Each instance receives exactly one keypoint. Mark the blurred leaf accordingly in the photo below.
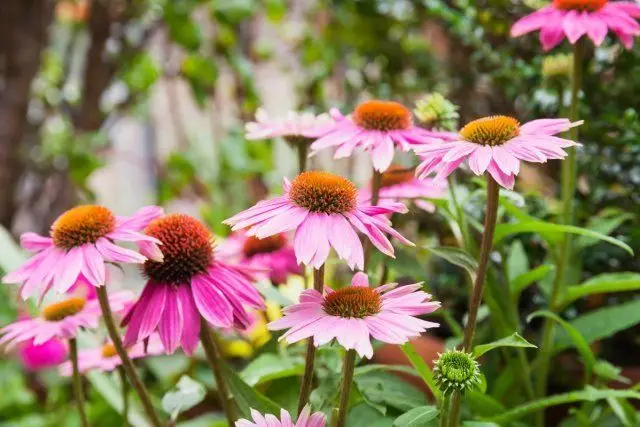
(513, 340)
(112, 393)
(12, 255)
(364, 415)
(182, 28)
(421, 367)
(268, 367)
(417, 417)
(245, 396)
(517, 260)
(604, 224)
(141, 73)
(483, 404)
(458, 257)
(390, 390)
(609, 372)
(521, 282)
(187, 394)
(603, 283)
(623, 410)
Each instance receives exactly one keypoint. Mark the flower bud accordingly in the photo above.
(456, 371)
(436, 111)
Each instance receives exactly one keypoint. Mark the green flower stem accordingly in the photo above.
(376, 183)
(569, 177)
(461, 219)
(345, 390)
(444, 412)
(127, 364)
(211, 349)
(303, 149)
(307, 377)
(77, 382)
(125, 396)
(493, 192)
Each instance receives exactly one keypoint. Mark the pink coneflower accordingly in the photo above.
(325, 213)
(189, 283)
(61, 320)
(293, 128)
(497, 144)
(43, 356)
(576, 18)
(378, 127)
(273, 255)
(306, 419)
(81, 242)
(354, 313)
(105, 358)
(398, 183)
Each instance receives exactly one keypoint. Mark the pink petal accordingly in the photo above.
(531, 22)
(382, 153)
(360, 279)
(190, 320)
(505, 180)
(34, 242)
(574, 25)
(211, 303)
(170, 326)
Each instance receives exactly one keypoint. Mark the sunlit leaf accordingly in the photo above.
(513, 340)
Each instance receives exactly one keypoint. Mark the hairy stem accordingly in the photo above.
(127, 364)
(345, 390)
(310, 358)
(77, 382)
(210, 345)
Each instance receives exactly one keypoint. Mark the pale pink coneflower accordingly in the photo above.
(377, 127)
(61, 320)
(293, 128)
(188, 284)
(355, 313)
(497, 144)
(306, 419)
(273, 255)
(81, 242)
(576, 18)
(325, 213)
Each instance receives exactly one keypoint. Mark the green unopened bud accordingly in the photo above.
(456, 371)
(436, 111)
(559, 65)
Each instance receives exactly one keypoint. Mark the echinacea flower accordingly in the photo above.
(398, 183)
(378, 127)
(62, 320)
(273, 255)
(43, 356)
(356, 313)
(577, 18)
(80, 243)
(497, 144)
(188, 284)
(105, 358)
(306, 419)
(325, 213)
(294, 128)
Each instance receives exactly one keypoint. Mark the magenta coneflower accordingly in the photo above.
(61, 320)
(378, 127)
(576, 18)
(293, 127)
(43, 356)
(274, 255)
(497, 144)
(189, 283)
(82, 240)
(105, 358)
(355, 313)
(306, 419)
(398, 183)
(324, 211)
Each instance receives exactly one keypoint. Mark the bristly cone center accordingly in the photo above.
(581, 5)
(491, 131)
(382, 116)
(82, 225)
(60, 310)
(353, 301)
(323, 192)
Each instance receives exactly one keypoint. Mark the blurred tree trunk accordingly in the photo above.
(23, 34)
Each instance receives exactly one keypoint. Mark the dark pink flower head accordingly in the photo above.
(306, 419)
(497, 144)
(43, 356)
(81, 241)
(356, 313)
(325, 213)
(576, 18)
(272, 255)
(189, 284)
(377, 127)
(61, 320)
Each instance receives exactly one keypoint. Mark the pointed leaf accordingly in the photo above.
(603, 283)
(513, 340)
(521, 282)
(417, 417)
(458, 257)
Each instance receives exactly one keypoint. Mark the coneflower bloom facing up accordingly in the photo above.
(325, 213)
(295, 127)
(80, 243)
(306, 419)
(46, 355)
(378, 127)
(356, 313)
(497, 144)
(576, 18)
(188, 284)
(105, 358)
(62, 320)
(273, 255)
(398, 183)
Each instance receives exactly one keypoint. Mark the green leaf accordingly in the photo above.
(604, 224)
(580, 343)
(479, 424)
(141, 73)
(590, 394)
(12, 255)
(201, 69)
(187, 394)
(269, 367)
(602, 323)
(364, 415)
(113, 395)
(622, 410)
(245, 396)
(603, 283)
(513, 340)
(505, 230)
(609, 372)
(390, 390)
(458, 257)
(483, 404)
(421, 366)
(517, 260)
(522, 281)
(417, 417)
